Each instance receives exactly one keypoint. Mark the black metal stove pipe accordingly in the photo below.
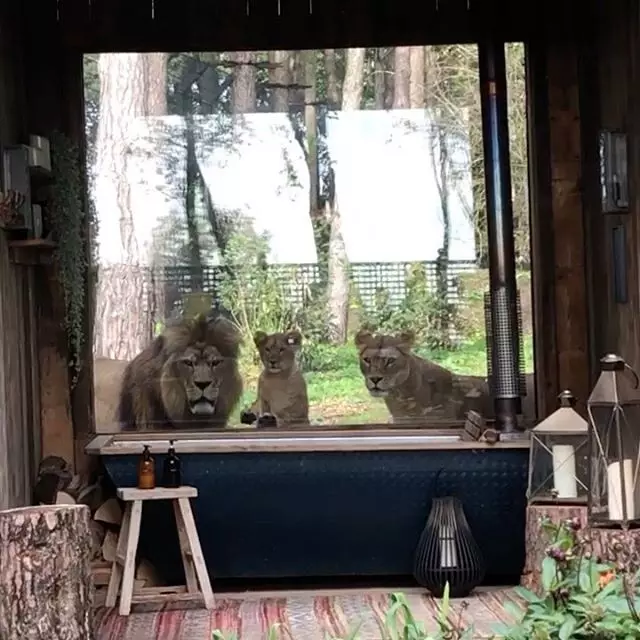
(502, 267)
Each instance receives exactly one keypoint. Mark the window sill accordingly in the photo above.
(289, 441)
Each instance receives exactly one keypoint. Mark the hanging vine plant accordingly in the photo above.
(67, 219)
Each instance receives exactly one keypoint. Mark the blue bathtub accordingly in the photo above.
(281, 513)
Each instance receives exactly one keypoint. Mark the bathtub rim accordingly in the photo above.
(315, 441)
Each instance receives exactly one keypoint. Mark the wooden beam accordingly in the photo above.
(55, 103)
(558, 235)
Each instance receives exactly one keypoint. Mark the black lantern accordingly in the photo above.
(559, 460)
(614, 445)
(447, 552)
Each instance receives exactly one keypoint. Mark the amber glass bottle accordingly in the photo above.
(171, 474)
(146, 470)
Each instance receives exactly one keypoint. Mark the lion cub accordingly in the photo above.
(282, 391)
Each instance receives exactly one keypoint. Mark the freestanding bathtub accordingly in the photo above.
(327, 504)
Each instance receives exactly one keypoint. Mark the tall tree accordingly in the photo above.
(332, 83)
(379, 80)
(338, 264)
(279, 80)
(416, 77)
(125, 304)
(353, 84)
(243, 89)
(402, 77)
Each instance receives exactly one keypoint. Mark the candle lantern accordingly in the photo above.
(558, 463)
(447, 551)
(614, 445)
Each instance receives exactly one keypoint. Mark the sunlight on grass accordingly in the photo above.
(337, 393)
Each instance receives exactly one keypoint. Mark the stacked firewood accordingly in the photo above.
(56, 484)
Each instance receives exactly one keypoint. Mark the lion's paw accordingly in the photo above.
(247, 417)
(266, 421)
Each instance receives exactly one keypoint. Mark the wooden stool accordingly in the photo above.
(124, 565)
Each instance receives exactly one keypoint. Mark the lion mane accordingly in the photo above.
(187, 378)
(282, 390)
(414, 388)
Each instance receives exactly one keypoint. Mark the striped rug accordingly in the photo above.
(300, 616)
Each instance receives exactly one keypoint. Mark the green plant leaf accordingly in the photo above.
(526, 594)
(513, 610)
(567, 629)
(548, 573)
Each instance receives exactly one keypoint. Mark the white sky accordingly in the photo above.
(385, 185)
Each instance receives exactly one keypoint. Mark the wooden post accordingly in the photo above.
(46, 590)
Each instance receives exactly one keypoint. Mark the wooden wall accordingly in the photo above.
(612, 76)
(19, 397)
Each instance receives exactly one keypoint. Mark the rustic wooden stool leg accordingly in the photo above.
(196, 552)
(185, 551)
(116, 566)
(130, 558)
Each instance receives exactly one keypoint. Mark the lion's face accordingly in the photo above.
(384, 361)
(278, 350)
(198, 369)
(199, 358)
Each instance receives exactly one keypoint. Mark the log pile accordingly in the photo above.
(56, 485)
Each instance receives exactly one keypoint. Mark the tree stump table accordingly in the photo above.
(124, 564)
(46, 591)
(610, 545)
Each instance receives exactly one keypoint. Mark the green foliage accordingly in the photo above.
(581, 598)
(253, 293)
(430, 316)
(67, 220)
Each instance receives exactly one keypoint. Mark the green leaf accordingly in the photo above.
(568, 627)
(548, 573)
(526, 594)
(513, 610)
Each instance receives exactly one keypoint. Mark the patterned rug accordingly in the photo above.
(300, 616)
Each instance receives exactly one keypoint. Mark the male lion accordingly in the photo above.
(411, 386)
(186, 378)
(282, 391)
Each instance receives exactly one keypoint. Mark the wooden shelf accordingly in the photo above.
(33, 251)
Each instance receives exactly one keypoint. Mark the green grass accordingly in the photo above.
(337, 393)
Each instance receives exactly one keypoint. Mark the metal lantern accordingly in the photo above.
(559, 458)
(447, 551)
(614, 445)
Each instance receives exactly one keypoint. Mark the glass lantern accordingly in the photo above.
(614, 445)
(558, 464)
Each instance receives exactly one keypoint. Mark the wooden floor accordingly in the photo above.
(300, 614)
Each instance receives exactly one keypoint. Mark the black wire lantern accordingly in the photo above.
(448, 552)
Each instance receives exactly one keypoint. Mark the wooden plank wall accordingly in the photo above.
(19, 406)
(615, 73)
(557, 214)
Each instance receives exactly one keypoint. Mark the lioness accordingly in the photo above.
(186, 378)
(282, 390)
(411, 386)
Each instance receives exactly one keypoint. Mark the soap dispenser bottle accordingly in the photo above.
(172, 473)
(146, 470)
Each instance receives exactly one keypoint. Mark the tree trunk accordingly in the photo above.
(124, 308)
(46, 588)
(155, 82)
(333, 88)
(402, 78)
(279, 76)
(243, 90)
(311, 127)
(353, 80)
(338, 291)
(379, 80)
(416, 79)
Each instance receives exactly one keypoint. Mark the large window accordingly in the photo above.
(295, 238)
